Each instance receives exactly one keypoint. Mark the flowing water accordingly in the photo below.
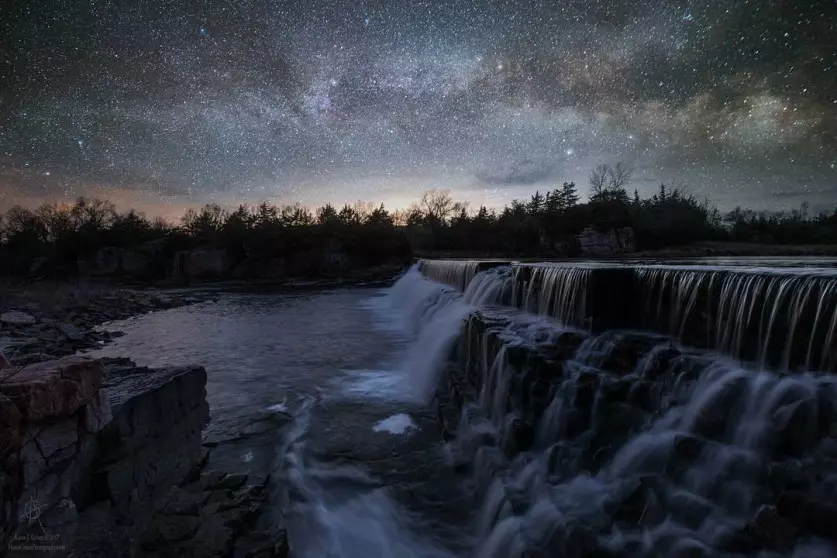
(559, 442)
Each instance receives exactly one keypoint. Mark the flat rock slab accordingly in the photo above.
(17, 318)
(52, 389)
(122, 385)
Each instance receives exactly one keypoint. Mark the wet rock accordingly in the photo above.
(688, 508)
(585, 391)
(580, 542)
(519, 436)
(169, 529)
(17, 318)
(184, 502)
(641, 504)
(70, 331)
(575, 423)
(776, 532)
(796, 427)
(687, 449)
(820, 519)
(791, 505)
(788, 475)
(11, 435)
(263, 544)
(712, 421)
(742, 540)
(232, 481)
(210, 479)
(688, 549)
(616, 391)
(642, 396)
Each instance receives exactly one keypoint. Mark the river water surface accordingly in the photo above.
(363, 458)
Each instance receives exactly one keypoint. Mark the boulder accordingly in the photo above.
(70, 331)
(17, 318)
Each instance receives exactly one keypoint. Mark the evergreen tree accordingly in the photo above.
(536, 204)
(569, 195)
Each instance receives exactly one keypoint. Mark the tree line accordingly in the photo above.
(544, 225)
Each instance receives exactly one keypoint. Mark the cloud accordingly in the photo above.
(523, 173)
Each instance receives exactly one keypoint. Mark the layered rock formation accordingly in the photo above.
(77, 441)
(608, 243)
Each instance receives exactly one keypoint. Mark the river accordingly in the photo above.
(368, 473)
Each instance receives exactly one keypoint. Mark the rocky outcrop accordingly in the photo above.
(88, 452)
(50, 414)
(606, 243)
(214, 514)
(201, 263)
(676, 436)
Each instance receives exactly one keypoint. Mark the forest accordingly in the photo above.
(544, 225)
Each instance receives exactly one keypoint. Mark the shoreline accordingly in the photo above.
(42, 321)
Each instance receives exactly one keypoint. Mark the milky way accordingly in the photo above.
(182, 103)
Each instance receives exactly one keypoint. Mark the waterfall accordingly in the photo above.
(433, 315)
(490, 287)
(455, 273)
(557, 291)
(629, 442)
(772, 317)
(682, 451)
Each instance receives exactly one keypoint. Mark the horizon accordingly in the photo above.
(239, 102)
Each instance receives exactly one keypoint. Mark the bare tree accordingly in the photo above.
(619, 176)
(400, 217)
(363, 209)
(438, 205)
(599, 178)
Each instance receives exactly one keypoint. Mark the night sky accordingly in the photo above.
(163, 105)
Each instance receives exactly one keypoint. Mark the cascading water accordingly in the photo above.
(434, 314)
(455, 273)
(567, 443)
(625, 444)
(683, 452)
(772, 317)
(558, 291)
(775, 318)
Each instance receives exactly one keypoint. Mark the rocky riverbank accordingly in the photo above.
(101, 457)
(44, 321)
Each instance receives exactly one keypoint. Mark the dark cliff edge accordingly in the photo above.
(104, 458)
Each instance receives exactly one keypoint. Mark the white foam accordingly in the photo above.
(396, 424)
(278, 408)
(391, 385)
